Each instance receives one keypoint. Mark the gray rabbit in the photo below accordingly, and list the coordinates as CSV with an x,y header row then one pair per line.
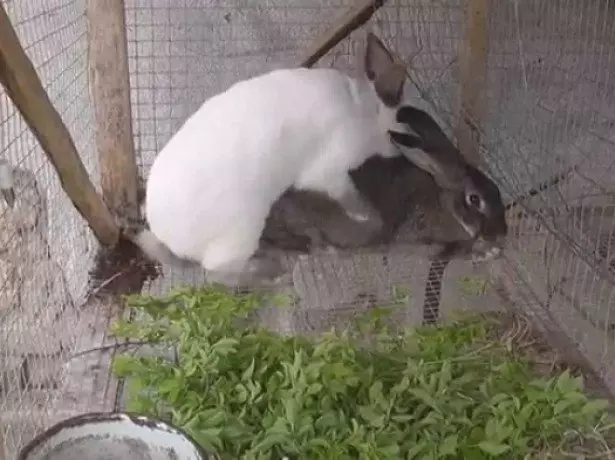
x,y
438,199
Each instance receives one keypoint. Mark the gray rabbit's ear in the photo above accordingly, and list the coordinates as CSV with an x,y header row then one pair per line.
x,y
386,73
406,141
425,126
412,147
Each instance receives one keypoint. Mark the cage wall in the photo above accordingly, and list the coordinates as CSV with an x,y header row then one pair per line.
x,y
46,249
551,111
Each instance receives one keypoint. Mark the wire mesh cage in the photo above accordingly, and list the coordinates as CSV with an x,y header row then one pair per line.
x,y
545,133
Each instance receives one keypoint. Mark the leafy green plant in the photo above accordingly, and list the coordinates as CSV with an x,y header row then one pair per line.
x,y
248,393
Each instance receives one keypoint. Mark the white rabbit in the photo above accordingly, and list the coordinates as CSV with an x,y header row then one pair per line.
x,y
212,186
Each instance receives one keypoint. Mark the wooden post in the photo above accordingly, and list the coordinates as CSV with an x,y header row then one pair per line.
x,y
343,27
19,78
110,90
473,66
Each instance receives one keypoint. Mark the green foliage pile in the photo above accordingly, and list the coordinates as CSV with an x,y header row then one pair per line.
x,y
448,392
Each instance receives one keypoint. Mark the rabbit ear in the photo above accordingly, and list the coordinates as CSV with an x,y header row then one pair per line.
x,y
410,141
437,155
387,75
412,147
425,126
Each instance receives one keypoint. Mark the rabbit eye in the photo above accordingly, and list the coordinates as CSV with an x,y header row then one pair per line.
x,y
473,200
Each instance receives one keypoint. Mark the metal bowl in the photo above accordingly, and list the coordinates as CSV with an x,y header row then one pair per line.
x,y
112,436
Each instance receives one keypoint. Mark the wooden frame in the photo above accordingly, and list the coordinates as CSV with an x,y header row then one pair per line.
x,y
473,67
110,91
24,88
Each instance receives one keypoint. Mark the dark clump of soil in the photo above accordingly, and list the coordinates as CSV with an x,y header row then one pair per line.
x,y
123,269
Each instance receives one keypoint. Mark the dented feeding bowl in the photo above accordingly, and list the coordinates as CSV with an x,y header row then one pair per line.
x,y
112,436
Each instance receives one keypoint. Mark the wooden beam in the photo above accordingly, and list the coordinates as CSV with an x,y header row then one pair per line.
x,y
19,78
341,29
110,90
473,67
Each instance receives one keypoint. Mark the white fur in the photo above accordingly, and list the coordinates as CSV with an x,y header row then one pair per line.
x,y
154,248
211,187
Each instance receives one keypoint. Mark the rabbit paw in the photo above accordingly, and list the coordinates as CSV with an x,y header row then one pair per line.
x,y
367,216
370,223
486,256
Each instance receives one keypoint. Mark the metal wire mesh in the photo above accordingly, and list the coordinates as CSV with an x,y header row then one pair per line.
x,y
46,249
546,138
550,121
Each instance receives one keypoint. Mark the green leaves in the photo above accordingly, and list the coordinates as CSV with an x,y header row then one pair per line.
x,y
371,416
493,448
595,408
448,446
247,393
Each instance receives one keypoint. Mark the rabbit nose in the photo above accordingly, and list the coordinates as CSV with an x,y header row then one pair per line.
x,y
9,196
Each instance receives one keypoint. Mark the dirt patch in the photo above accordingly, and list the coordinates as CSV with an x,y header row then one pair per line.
x,y
123,269
521,337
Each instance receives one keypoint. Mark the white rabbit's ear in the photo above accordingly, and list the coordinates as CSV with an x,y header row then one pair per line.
x,y
387,74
